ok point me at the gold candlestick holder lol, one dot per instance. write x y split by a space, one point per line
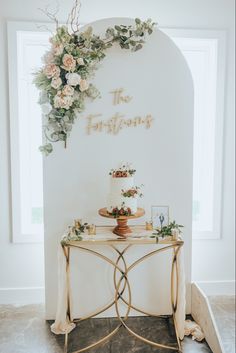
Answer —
92 229
149 225
78 223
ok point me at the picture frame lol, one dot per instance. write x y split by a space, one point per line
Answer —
160 216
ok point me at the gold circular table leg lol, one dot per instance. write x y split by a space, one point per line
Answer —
119 291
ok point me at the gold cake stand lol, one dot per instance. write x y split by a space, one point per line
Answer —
122 229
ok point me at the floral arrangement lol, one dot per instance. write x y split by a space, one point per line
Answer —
74 233
64 80
121 211
168 230
123 172
133 192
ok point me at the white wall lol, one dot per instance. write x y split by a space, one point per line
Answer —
22 265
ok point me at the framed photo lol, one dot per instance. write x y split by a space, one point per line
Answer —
160 216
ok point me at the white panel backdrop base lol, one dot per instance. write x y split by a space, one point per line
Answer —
76 179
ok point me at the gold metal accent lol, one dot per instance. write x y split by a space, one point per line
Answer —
91 229
118 98
116 123
78 223
149 225
122 285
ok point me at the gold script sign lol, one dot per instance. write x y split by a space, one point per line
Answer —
118 121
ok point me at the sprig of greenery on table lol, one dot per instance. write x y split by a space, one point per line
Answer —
74 233
166 230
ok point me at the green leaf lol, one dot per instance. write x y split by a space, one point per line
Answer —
126 46
138 47
137 21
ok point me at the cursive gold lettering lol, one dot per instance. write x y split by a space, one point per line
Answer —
118 98
116 123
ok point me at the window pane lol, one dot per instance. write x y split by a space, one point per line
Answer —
31 46
201 56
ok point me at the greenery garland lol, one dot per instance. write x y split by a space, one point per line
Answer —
70 63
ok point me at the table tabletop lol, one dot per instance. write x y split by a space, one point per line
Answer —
139 236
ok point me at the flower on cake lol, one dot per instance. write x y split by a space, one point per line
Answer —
121 211
132 192
125 171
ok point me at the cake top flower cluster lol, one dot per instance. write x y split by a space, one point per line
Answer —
125 171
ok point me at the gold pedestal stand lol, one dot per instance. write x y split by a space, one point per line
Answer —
122 229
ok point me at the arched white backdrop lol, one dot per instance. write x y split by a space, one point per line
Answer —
76 179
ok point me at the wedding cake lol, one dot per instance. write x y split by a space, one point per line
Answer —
123 195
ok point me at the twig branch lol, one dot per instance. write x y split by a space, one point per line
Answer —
44 27
51 15
73 17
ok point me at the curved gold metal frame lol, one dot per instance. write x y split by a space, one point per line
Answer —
120 287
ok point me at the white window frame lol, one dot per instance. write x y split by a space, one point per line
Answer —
220 36
12 29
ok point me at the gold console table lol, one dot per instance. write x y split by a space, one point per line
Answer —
139 237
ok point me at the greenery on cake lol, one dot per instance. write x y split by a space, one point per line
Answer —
121 211
65 78
124 171
166 231
132 192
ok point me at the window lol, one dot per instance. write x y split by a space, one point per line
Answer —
204 53
26 48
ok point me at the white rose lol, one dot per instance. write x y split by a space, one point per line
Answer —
80 61
83 85
68 90
73 79
56 82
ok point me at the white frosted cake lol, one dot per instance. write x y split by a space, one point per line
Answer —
123 195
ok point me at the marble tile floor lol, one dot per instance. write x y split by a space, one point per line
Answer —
24 330
223 308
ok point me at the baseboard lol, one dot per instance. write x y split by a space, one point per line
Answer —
22 296
217 287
